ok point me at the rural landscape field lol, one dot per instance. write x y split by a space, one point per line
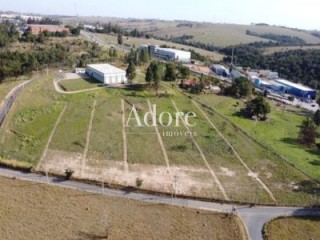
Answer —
140 126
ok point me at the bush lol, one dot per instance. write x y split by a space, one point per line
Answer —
68 173
139 182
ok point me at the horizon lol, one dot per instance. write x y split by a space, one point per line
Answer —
229 12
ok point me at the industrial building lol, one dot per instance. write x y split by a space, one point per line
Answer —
220 70
297 90
168 54
106 73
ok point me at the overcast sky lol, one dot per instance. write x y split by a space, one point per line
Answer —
291 13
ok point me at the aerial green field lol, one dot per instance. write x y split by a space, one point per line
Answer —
89 134
292 228
280 133
6 87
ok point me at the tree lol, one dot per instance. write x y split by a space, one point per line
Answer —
184 72
149 75
241 88
316 117
131 71
170 73
75 31
120 39
258 107
307 135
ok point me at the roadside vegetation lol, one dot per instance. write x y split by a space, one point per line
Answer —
293 228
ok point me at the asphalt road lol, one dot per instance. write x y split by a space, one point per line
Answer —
254 218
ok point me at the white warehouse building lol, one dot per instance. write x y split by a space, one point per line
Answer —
168 53
106 73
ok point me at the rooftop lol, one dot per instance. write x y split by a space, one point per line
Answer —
106 68
295 85
173 50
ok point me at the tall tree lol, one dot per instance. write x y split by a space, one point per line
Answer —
316 117
242 88
120 39
258 107
149 75
170 73
131 72
307 134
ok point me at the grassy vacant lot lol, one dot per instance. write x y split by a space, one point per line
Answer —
79 84
29 124
293 228
280 133
35 211
112 39
107 118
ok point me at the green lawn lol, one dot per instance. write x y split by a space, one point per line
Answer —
79 84
293 228
6 87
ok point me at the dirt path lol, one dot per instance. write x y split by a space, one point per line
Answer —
164 151
251 173
223 191
85 152
124 137
44 154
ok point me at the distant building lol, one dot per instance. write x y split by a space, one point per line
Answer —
169 54
106 73
220 70
298 90
36 29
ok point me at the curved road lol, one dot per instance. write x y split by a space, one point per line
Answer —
253 217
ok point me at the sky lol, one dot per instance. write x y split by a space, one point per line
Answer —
290 13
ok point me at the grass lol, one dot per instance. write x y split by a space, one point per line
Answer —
6 87
71 132
280 133
106 137
143 144
29 123
293 228
230 34
36 211
79 84
279 176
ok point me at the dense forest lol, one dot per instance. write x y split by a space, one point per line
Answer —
301 66
280 39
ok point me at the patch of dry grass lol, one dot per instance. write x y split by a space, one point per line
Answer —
35 211
293 229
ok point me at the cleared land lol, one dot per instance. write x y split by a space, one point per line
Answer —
35 211
201 165
112 39
293 228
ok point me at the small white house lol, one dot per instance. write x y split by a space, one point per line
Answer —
106 73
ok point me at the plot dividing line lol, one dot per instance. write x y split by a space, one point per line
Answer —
124 137
236 153
44 154
164 151
86 148
223 191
